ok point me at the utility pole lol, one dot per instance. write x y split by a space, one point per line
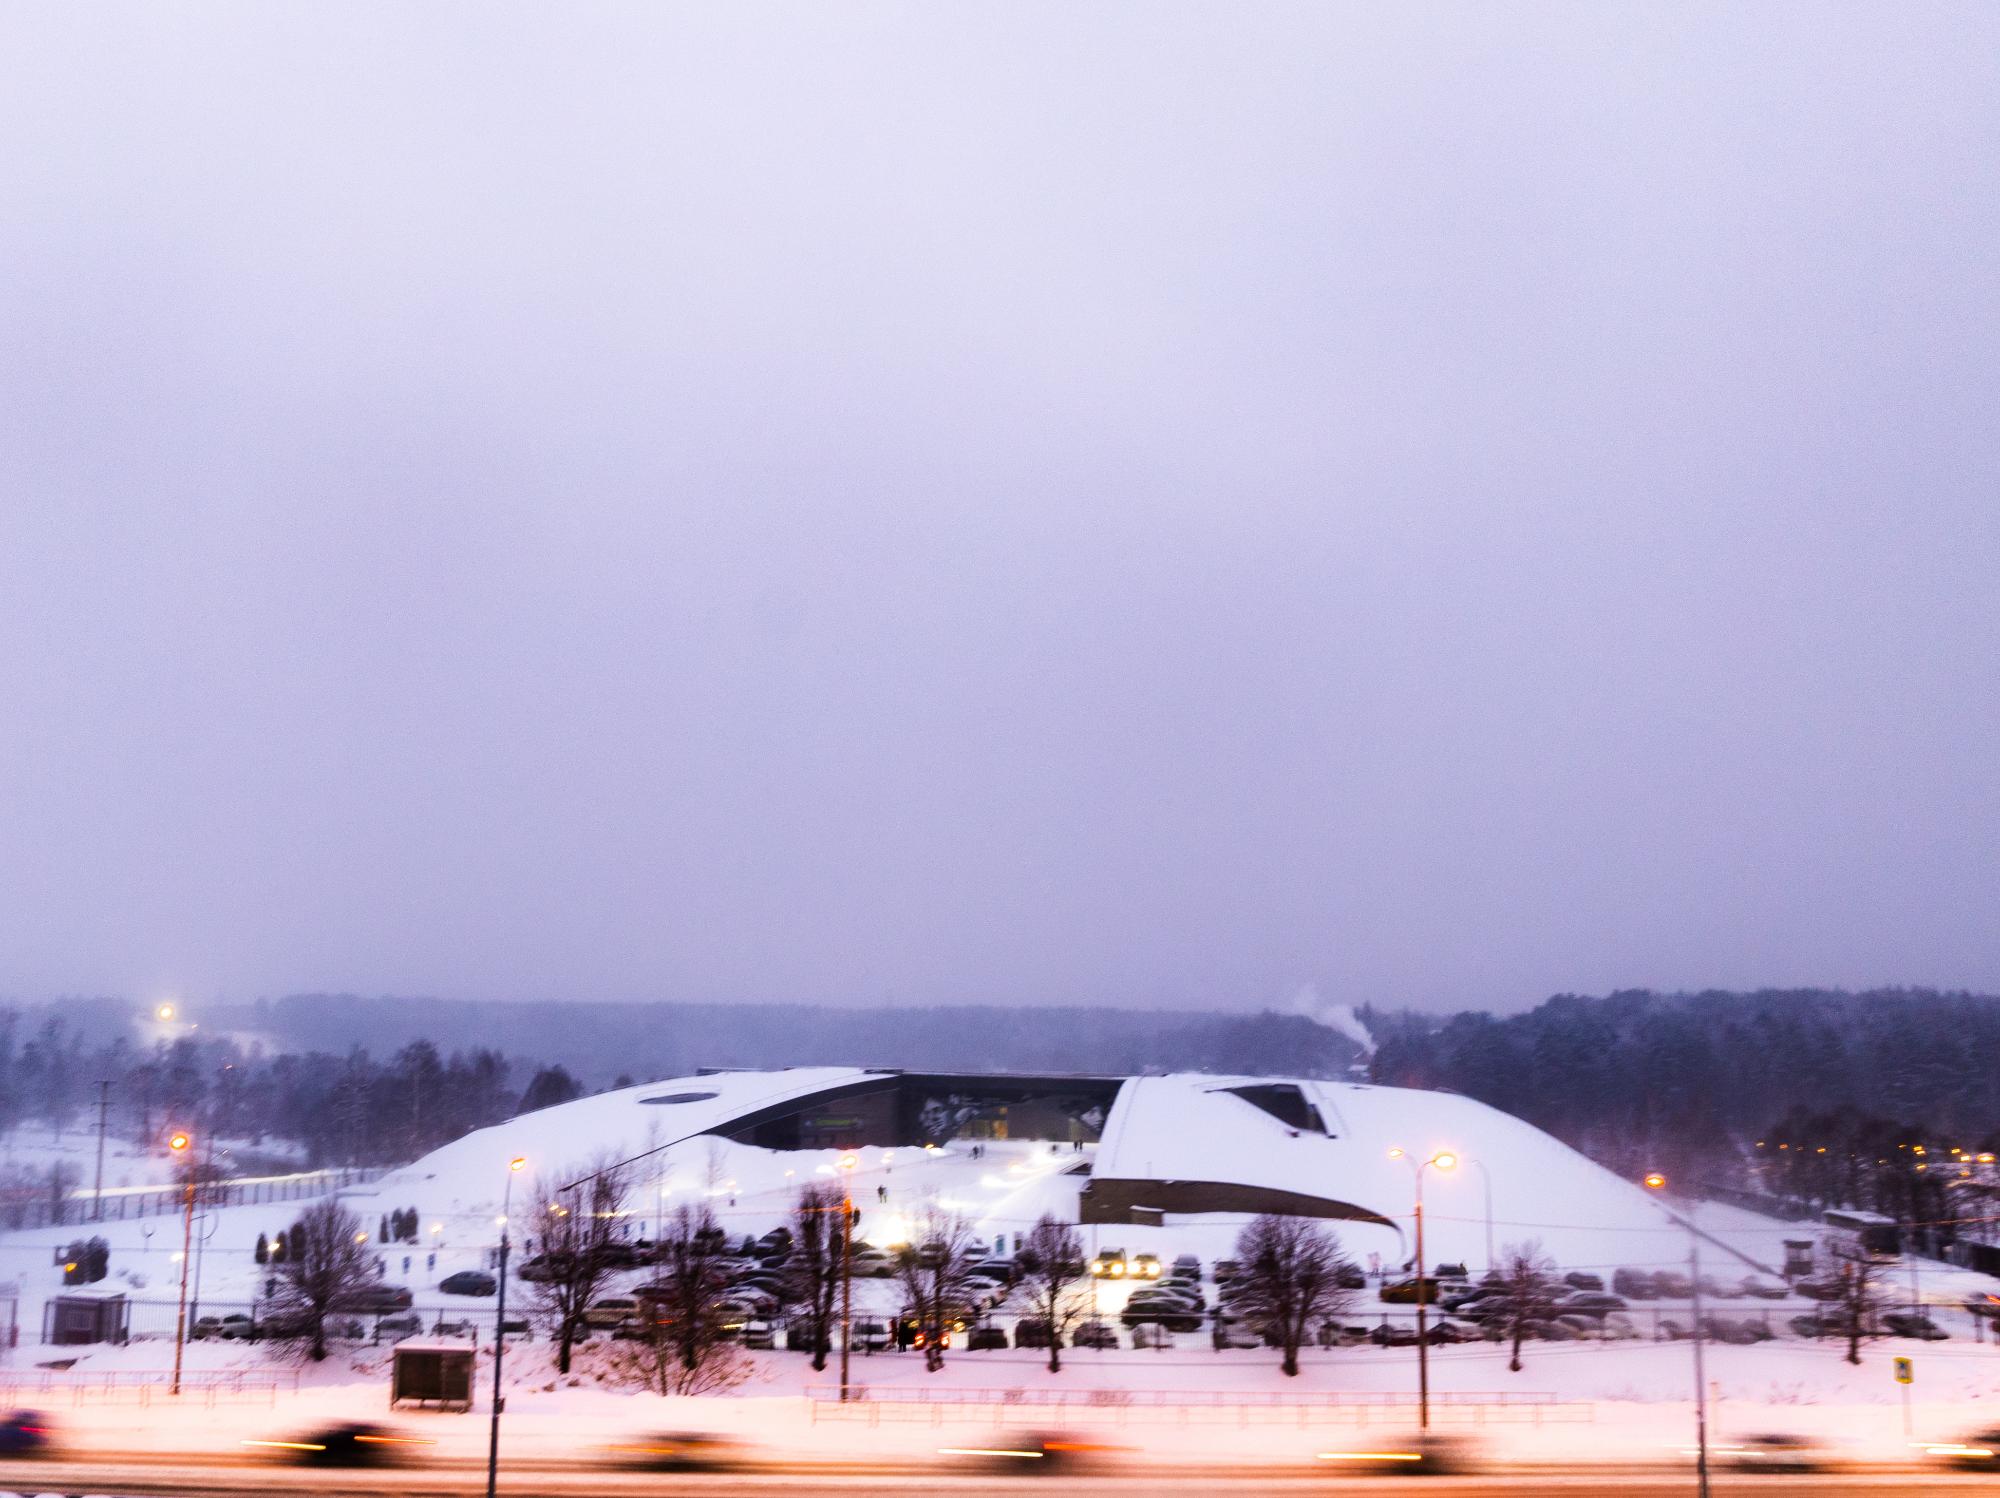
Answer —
1655 1181
500 1329
103 1113
846 1286
179 1145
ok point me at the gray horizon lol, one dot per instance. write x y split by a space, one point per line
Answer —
1295 507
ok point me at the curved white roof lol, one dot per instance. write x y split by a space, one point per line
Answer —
1191 1127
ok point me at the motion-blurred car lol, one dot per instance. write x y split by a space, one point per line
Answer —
1776 1452
1032 1454
354 1443
26 1433
1427 1455
1978 1453
683 1451
469 1282
1145 1267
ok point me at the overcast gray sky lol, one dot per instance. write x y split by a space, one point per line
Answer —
1142 503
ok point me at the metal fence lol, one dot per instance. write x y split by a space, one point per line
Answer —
46 1386
80 1208
877 1406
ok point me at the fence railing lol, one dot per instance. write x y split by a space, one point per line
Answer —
206 1387
80 1207
875 1405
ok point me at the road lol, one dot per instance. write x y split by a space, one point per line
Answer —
149 1477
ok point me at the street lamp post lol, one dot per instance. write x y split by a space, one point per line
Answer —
1442 1160
1655 1181
847 1164
178 1143
500 1329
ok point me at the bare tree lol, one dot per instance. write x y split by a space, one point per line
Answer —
1053 1284
1291 1276
813 1270
1527 1293
326 1264
683 1304
576 1230
934 1268
1857 1283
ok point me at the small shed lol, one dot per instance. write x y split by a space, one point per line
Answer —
85 1316
433 1371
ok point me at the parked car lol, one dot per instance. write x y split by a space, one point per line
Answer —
1032 1331
375 1299
871 1263
1186 1265
1232 1331
1914 1324
869 1334
231 1328
1634 1284
1394 1334
396 1328
469 1282
1763 1289
1096 1334
1576 1279
1590 1303
1224 1271
1672 1284
610 1312
464 1329
1405 1292
986 1338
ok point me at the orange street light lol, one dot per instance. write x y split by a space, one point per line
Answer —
1655 1181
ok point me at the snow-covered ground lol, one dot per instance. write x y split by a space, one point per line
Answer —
1621 1403
1617 1400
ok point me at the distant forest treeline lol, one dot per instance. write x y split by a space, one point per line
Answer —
374 1081
1689 1082
600 1042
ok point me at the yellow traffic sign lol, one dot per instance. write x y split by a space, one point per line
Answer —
1905 1372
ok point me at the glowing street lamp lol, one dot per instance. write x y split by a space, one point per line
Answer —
1657 1181
165 1014
179 1143
514 1167
1443 1160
